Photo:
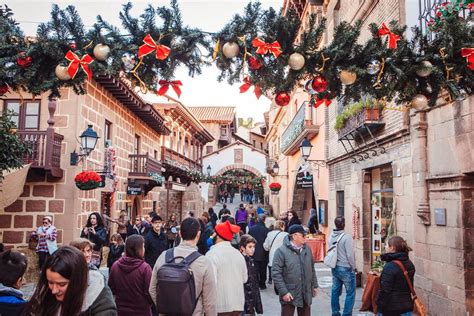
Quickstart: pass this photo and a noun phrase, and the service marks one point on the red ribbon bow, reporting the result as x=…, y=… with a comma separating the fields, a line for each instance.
x=325, y=101
x=392, y=37
x=468, y=53
x=247, y=84
x=264, y=48
x=73, y=67
x=150, y=46
x=166, y=84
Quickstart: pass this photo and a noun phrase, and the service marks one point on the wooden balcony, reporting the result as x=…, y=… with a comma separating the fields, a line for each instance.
x=365, y=122
x=302, y=125
x=178, y=165
x=143, y=166
x=45, y=150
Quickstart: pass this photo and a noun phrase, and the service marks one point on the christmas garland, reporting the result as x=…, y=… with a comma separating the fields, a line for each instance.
x=232, y=177
x=262, y=49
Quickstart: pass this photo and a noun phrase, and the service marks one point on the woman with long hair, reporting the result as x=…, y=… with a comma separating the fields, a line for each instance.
x=171, y=230
x=116, y=248
x=395, y=295
x=95, y=232
x=292, y=220
x=66, y=287
x=130, y=279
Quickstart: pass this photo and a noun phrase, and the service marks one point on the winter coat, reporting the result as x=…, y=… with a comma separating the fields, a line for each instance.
x=99, y=238
x=294, y=221
x=129, y=281
x=293, y=272
x=202, y=242
x=274, y=241
x=98, y=300
x=313, y=222
x=155, y=244
x=115, y=253
x=168, y=226
x=241, y=216
x=259, y=232
x=138, y=230
x=213, y=218
x=395, y=296
x=253, y=300
x=11, y=301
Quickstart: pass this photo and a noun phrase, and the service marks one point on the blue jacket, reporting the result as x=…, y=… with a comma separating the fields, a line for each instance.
x=11, y=301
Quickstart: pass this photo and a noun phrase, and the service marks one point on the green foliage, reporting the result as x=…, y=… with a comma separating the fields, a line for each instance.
x=13, y=149
x=377, y=266
x=353, y=110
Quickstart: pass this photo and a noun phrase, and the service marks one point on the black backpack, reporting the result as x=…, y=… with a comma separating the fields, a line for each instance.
x=176, y=290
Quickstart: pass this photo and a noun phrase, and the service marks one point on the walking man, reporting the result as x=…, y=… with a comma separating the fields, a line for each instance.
x=230, y=270
x=343, y=273
x=293, y=274
x=155, y=241
x=260, y=257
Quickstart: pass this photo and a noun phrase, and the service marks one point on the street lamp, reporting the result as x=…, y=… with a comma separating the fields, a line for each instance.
x=88, y=142
x=276, y=168
x=208, y=170
x=305, y=148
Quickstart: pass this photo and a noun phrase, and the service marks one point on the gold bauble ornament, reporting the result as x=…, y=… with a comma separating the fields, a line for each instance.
x=347, y=77
x=419, y=102
x=101, y=52
x=61, y=73
x=296, y=61
x=230, y=49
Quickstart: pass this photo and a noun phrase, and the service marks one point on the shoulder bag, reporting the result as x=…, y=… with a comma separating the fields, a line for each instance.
x=418, y=308
x=331, y=257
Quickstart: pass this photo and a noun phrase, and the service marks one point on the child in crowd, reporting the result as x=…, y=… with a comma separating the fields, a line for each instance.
x=86, y=247
x=116, y=247
x=253, y=301
x=12, y=267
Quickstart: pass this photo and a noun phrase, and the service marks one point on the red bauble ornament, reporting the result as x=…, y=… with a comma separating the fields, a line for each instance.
x=282, y=98
x=23, y=61
x=254, y=63
x=3, y=89
x=319, y=84
x=73, y=46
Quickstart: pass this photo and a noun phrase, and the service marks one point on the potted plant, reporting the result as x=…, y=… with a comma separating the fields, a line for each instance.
x=87, y=180
x=275, y=187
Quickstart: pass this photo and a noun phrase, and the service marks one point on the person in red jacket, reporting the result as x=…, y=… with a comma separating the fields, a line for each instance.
x=129, y=280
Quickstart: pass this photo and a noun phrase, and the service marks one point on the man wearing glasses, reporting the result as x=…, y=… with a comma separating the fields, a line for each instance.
x=46, y=235
x=138, y=227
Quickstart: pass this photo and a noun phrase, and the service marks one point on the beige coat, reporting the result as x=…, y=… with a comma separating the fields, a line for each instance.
x=204, y=279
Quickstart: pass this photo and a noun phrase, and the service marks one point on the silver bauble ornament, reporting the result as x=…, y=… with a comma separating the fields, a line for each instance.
x=296, y=61
x=373, y=67
x=308, y=86
x=425, y=69
x=347, y=77
x=101, y=52
x=10, y=69
x=128, y=61
x=61, y=73
x=230, y=49
x=419, y=102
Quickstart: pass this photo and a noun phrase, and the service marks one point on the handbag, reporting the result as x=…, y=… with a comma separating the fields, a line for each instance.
x=418, y=307
x=331, y=257
x=371, y=292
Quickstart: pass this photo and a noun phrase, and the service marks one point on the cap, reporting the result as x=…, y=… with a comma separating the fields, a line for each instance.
x=296, y=228
x=227, y=230
x=156, y=218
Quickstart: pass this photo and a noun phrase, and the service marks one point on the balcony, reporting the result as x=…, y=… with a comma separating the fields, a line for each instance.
x=365, y=122
x=303, y=125
x=178, y=165
x=45, y=151
x=145, y=173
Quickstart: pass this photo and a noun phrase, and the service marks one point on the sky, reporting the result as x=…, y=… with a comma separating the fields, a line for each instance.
x=208, y=15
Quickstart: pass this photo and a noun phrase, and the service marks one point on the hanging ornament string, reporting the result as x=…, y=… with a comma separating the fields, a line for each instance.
x=143, y=87
x=324, y=59
x=378, y=84
x=75, y=62
x=392, y=37
x=244, y=60
x=150, y=46
x=247, y=84
x=166, y=84
x=468, y=53
x=216, y=49
x=265, y=48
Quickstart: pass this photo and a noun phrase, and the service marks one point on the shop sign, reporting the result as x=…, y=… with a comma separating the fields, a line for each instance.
x=134, y=189
x=304, y=177
x=157, y=178
x=178, y=187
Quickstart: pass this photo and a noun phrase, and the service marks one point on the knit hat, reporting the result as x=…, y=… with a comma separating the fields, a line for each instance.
x=227, y=230
x=296, y=228
x=49, y=218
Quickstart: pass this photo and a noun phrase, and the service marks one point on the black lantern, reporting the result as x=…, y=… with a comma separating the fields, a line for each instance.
x=305, y=149
x=276, y=168
x=208, y=170
x=88, y=142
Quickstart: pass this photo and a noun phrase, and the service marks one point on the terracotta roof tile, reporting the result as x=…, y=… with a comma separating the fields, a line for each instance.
x=213, y=113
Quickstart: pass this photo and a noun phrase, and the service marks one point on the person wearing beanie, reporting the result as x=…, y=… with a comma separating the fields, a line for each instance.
x=155, y=241
x=293, y=273
x=46, y=236
x=230, y=270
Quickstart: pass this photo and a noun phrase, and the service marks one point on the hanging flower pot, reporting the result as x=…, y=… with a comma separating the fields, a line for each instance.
x=87, y=180
x=275, y=187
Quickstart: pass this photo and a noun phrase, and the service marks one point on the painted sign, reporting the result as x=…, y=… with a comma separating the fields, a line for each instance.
x=304, y=177
x=134, y=190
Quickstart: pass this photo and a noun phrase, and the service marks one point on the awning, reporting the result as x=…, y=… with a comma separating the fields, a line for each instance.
x=12, y=185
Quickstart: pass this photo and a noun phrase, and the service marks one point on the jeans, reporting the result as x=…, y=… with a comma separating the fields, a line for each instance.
x=342, y=276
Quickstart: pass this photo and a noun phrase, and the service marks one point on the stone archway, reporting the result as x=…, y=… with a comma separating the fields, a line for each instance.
x=212, y=187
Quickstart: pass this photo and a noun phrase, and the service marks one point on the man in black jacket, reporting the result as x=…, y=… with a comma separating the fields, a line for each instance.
x=155, y=241
x=260, y=232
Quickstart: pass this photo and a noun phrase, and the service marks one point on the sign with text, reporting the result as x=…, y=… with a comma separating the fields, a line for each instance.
x=304, y=177
x=134, y=189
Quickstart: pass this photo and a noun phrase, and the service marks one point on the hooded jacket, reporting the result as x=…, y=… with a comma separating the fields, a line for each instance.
x=11, y=301
x=98, y=300
x=345, y=249
x=155, y=244
x=129, y=281
x=293, y=272
x=395, y=296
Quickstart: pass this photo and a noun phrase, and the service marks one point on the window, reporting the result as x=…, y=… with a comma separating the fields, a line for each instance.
x=254, y=145
x=261, y=145
x=209, y=149
x=107, y=133
x=223, y=130
x=155, y=154
x=25, y=116
x=136, y=144
x=238, y=155
x=154, y=205
x=340, y=203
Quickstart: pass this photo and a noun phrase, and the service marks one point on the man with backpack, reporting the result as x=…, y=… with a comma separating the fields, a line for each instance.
x=176, y=291
x=343, y=271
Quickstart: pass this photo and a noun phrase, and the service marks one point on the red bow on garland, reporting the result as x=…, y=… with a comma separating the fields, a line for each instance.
x=392, y=37
x=150, y=46
x=247, y=84
x=73, y=67
x=263, y=48
x=166, y=84
x=324, y=101
x=468, y=53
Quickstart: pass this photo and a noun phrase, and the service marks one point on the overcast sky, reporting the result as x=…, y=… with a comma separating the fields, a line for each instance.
x=209, y=15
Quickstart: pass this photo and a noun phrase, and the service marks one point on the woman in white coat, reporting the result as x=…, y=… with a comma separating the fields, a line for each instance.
x=273, y=241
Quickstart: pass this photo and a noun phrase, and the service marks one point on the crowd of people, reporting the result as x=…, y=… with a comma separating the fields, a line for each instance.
x=214, y=264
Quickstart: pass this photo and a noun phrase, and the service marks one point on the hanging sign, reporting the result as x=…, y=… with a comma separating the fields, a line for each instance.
x=304, y=177
x=134, y=189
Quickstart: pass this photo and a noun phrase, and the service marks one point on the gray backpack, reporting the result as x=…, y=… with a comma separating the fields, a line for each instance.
x=331, y=257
